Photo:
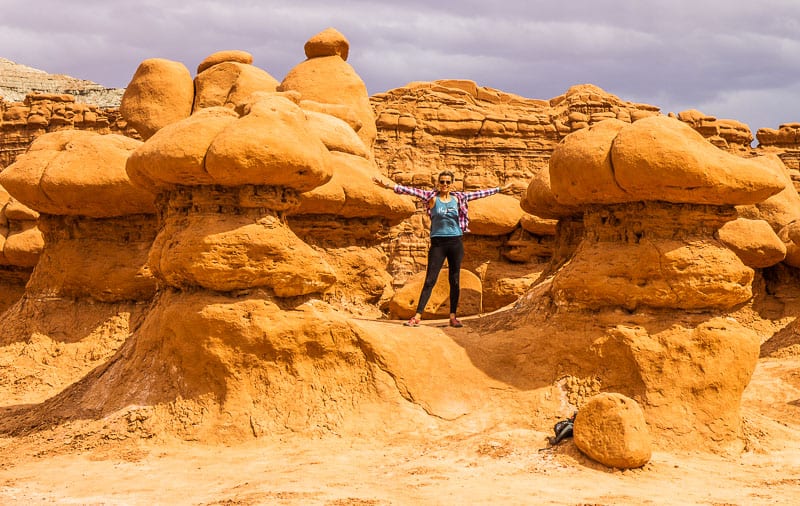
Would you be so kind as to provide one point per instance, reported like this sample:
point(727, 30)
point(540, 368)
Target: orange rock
point(780, 209)
point(329, 42)
point(404, 302)
point(230, 84)
point(226, 252)
point(233, 55)
point(753, 241)
point(271, 145)
point(75, 172)
point(329, 79)
point(611, 429)
point(580, 167)
point(159, 93)
point(495, 215)
point(176, 154)
point(23, 247)
point(662, 158)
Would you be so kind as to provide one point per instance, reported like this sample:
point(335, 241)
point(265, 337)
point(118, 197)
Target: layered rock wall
point(22, 122)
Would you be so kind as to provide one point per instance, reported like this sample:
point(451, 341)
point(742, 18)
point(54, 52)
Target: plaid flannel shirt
point(461, 197)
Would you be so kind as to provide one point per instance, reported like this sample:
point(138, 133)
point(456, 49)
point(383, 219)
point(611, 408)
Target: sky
point(735, 59)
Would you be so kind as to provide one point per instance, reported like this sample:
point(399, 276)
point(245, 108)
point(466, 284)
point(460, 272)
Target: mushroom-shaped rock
point(496, 215)
point(271, 145)
point(351, 193)
point(93, 218)
point(327, 78)
point(176, 154)
point(753, 241)
point(540, 201)
point(228, 180)
point(232, 55)
point(404, 301)
point(77, 173)
point(581, 169)
point(230, 84)
point(159, 93)
point(663, 159)
point(611, 429)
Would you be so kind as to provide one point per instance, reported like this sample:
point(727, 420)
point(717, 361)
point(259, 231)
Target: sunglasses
point(441, 181)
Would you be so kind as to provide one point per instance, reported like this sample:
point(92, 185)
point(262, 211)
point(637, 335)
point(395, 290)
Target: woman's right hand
point(378, 181)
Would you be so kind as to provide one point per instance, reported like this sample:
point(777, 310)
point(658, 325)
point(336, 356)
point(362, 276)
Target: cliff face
point(18, 81)
point(22, 122)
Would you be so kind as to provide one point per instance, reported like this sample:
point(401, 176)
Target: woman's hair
point(447, 173)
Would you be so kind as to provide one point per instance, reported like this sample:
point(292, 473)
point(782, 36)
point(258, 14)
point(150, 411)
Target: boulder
point(159, 93)
point(611, 429)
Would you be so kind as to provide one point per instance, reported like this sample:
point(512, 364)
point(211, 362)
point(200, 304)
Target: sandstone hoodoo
point(653, 198)
point(239, 334)
point(230, 261)
point(96, 230)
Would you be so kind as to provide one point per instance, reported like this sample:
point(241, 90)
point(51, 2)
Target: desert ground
point(513, 464)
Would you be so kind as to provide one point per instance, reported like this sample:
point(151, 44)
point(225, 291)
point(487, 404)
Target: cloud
point(682, 53)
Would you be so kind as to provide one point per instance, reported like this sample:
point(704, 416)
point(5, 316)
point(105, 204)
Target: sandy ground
point(499, 466)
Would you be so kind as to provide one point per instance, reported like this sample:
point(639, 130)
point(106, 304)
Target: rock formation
point(611, 429)
point(239, 330)
point(654, 196)
point(18, 81)
point(635, 247)
point(21, 243)
point(22, 122)
point(91, 279)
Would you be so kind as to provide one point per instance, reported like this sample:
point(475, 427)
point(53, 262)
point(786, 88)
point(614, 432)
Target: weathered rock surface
point(21, 243)
point(326, 77)
point(611, 429)
point(18, 81)
point(159, 93)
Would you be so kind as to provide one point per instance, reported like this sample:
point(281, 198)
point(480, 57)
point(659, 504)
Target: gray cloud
point(728, 59)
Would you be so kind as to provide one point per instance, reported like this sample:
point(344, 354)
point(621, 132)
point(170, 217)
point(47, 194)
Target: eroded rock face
point(611, 429)
point(77, 181)
point(651, 224)
point(89, 245)
point(655, 255)
point(21, 243)
point(39, 113)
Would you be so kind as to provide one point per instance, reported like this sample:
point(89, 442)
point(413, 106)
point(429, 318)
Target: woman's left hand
point(505, 187)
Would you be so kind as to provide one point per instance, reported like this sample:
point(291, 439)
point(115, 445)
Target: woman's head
point(445, 180)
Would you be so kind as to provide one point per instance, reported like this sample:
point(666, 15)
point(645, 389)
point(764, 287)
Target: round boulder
point(610, 428)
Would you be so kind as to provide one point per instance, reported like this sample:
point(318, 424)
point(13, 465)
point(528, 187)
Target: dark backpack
point(562, 429)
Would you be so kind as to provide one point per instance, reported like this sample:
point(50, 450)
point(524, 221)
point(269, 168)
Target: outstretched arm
point(479, 194)
point(406, 190)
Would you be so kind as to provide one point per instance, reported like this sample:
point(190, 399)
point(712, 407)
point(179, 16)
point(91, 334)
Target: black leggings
point(451, 248)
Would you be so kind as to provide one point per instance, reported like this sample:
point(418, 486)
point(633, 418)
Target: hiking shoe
point(455, 323)
point(412, 322)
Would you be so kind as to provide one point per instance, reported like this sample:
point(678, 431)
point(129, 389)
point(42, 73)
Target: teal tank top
point(444, 218)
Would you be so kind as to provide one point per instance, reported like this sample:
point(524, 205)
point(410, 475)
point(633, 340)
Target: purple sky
point(728, 58)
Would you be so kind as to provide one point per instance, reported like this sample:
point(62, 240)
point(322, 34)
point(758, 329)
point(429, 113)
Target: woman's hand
point(505, 187)
point(378, 181)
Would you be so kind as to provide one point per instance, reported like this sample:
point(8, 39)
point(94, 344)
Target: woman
point(447, 210)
